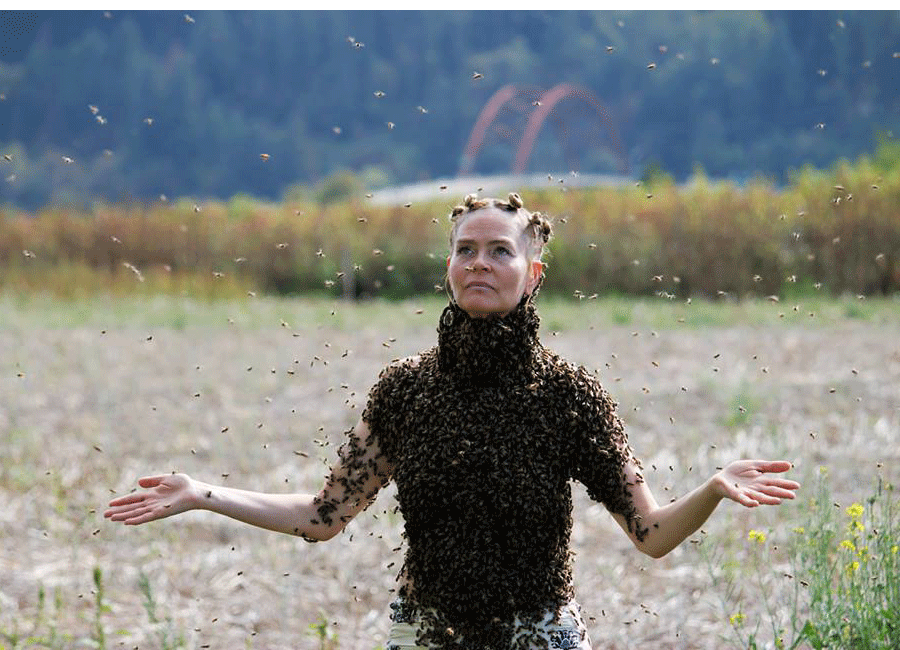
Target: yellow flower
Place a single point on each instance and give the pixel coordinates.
(799, 530)
(855, 511)
(853, 566)
(736, 619)
(847, 544)
(894, 548)
(756, 536)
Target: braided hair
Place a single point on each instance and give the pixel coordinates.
(537, 225)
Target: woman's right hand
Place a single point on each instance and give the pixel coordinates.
(163, 496)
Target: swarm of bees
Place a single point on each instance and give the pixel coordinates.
(470, 579)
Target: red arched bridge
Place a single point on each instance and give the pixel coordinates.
(565, 107)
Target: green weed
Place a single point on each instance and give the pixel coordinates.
(322, 630)
(168, 639)
(833, 581)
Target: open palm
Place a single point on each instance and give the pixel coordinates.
(164, 496)
(751, 482)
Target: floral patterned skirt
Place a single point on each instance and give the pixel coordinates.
(564, 632)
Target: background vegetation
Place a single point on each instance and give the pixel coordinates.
(835, 231)
(186, 105)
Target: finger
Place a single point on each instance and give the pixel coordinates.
(742, 497)
(762, 498)
(141, 519)
(776, 491)
(128, 515)
(151, 481)
(783, 483)
(772, 465)
(128, 498)
(118, 510)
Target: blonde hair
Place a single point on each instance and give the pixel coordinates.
(537, 225)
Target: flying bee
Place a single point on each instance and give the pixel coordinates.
(714, 61)
(196, 208)
(610, 49)
(264, 157)
(93, 109)
(422, 109)
(100, 119)
(390, 126)
(67, 160)
(188, 19)
(148, 121)
(477, 75)
(281, 246)
(651, 66)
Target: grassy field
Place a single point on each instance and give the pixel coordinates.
(95, 393)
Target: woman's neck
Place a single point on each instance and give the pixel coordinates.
(490, 350)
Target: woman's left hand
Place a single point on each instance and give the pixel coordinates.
(751, 482)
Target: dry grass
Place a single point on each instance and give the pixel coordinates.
(95, 394)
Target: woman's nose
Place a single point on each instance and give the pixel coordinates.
(480, 263)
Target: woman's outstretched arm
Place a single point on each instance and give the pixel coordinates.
(748, 482)
(351, 486)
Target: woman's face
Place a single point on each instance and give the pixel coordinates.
(488, 267)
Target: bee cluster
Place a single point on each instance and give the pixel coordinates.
(483, 433)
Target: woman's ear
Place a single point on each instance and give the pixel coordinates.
(537, 268)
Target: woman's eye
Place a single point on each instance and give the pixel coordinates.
(463, 250)
(503, 250)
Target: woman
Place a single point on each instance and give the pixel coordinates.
(482, 435)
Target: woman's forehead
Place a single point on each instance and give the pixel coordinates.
(490, 223)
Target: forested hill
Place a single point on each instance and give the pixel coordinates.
(131, 105)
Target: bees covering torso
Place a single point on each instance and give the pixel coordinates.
(484, 433)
